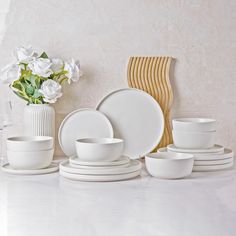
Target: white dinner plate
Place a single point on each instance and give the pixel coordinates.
(100, 178)
(83, 123)
(214, 156)
(122, 160)
(213, 167)
(136, 118)
(8, 169)
(215, 149)
(116, 170)
(213, 162)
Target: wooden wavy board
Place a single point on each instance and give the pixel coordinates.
(151, 74)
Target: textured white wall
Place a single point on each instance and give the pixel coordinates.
(103, 34)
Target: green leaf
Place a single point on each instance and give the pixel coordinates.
(37, 82)
(44, 55)
(17, 85)
(33, 80)
(36, 94)
(37, 101)
(29, 89)
(62, 80)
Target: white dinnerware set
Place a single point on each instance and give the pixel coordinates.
(194, 149)
(103, 143)
(197, 136)
(30, 155)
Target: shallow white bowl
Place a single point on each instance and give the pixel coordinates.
(29, 143)
(194, 124)
(99, 149)
(30, 160)
(194, 140)
(168, 165)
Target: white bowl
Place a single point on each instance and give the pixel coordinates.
(194, 124)
(194, 140)
(30, 160)
(168, 165)
(29, 143)
(99, 149)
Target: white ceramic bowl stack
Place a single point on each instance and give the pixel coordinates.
(197, 136)
(30, 155)
(99, 159)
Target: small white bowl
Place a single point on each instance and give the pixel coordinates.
(194, 124)
(29, 143)
(194, 140)
(30, 160)
(99, 149)
(167, 165)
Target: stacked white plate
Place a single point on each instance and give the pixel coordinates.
(197, 136)
(127, 114)
(121, 169)
(212, 159)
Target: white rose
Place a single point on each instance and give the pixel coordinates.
(10, 73)
(24, 54)
(57, 65)
(51, 90)
(41, 67)
(73, 71)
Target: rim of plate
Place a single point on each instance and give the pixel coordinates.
(97, 167)
(213, 162)
(50, 169)
(121, 160)
(215, 149)
(195, 120)
(134, 165)
(100, 178)
(198, 168)
(149, 96)
(81, 110)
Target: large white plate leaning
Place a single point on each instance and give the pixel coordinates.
(122, 160)
(136, 118)
(213, 167)
(8, 169)
(99, 178)
(83, 123)
(116, 170)
(215, 149)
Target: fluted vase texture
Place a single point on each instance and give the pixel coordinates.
(39, 120)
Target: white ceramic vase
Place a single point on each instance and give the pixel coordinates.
(39, 120)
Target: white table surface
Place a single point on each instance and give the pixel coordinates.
(49, 205)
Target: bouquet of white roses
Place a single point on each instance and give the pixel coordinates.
(38, 79)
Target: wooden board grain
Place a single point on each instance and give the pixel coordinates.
(151, 74)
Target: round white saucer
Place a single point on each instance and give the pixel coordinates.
(8, 169)
(122, 160)
(96, 167)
